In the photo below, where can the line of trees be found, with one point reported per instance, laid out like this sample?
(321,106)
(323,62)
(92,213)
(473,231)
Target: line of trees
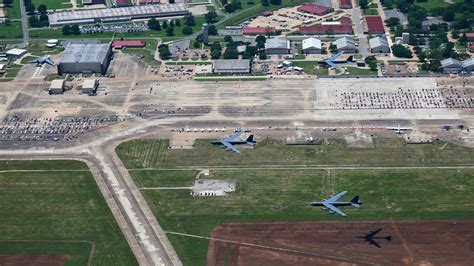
(71,30)
(40,19)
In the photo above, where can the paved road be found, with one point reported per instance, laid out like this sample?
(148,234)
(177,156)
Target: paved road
(359,31)
(24,23)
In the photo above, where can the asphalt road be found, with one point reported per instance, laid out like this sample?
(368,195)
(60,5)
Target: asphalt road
(359,31)
(24,23)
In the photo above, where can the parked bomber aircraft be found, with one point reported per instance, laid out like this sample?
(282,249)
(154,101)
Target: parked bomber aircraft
(370,238)
(42,60)
(331,203)
(232,140)
(399,129)
(334,60)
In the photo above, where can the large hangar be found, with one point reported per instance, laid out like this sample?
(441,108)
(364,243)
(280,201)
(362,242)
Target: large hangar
(85,58)
(90,16)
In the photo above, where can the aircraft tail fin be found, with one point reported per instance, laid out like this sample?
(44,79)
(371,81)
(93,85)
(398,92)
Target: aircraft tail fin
(250,140)
(350,59)
(388,238)
(356,202)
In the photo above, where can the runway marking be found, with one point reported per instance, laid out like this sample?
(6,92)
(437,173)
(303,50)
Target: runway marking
(349,259)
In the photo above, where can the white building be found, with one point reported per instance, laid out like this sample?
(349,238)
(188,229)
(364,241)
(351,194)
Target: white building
(379,45)
(345,44)
(312,46)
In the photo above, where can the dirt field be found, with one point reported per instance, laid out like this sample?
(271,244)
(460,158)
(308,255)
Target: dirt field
(337,243)
(33,260)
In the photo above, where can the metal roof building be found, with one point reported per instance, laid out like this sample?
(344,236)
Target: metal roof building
(277,46)
(315,9)
(345,44)
(231,66)
(85,58)
(90,16)
(379,45)
(374,24)
(312,46)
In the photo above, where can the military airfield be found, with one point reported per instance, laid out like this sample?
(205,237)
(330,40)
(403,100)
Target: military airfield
(147,184)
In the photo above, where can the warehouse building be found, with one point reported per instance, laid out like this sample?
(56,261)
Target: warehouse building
(312,46)
(277,46)
(89,86)
(231,66)
(326,29)
(259,30)
(345,44)
(128,43)
(90,16)
(379,45)
(85,58)
(57,86)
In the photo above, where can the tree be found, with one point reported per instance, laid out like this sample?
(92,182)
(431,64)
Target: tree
(262,56)
(231,52)
(171,24)
(187,30)
(212,30)
(30,8)
(154,24)
(227,38)
(210,17)
(8,2)
(399,50)
(275,2)
(265,3)
(170,31)
(67,30)
(392,22)
(75,29)
(177,22)
(250,52)
(33,21)
(164,51)
(229,8)
(216,50)
(189,20)
(165,24)
(422,57)
(197,45)
(363,4)
(333,48)
(372,62)
(237,4)
(42,9)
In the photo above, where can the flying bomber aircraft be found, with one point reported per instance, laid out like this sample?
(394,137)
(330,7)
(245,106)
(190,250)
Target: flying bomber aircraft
(399,129)
(331,203)
(370,238)
(234,139)
(334,60)
(42,60)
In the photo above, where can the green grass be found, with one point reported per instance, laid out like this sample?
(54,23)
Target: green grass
(360,71)
(53,4)
(432,4)
(13,11)
(11,32)
(55,201)
(268,194)
(312,68)
(147,52)
(39,48)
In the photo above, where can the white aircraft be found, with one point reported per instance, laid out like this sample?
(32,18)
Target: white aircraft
(399,129)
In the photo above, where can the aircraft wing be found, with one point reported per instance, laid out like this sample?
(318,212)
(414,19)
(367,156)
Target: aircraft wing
(49,61)
(336,197)
(334,209)
(330,63)
(232,137)
(230,147)
(33,61)
(334,57)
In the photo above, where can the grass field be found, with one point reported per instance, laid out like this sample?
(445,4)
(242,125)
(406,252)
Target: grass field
(12,31)
(432,4)
(58,201)
(13,11)
(53,4)
(147,52)
(360,71)
(310,68)
(276,182)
